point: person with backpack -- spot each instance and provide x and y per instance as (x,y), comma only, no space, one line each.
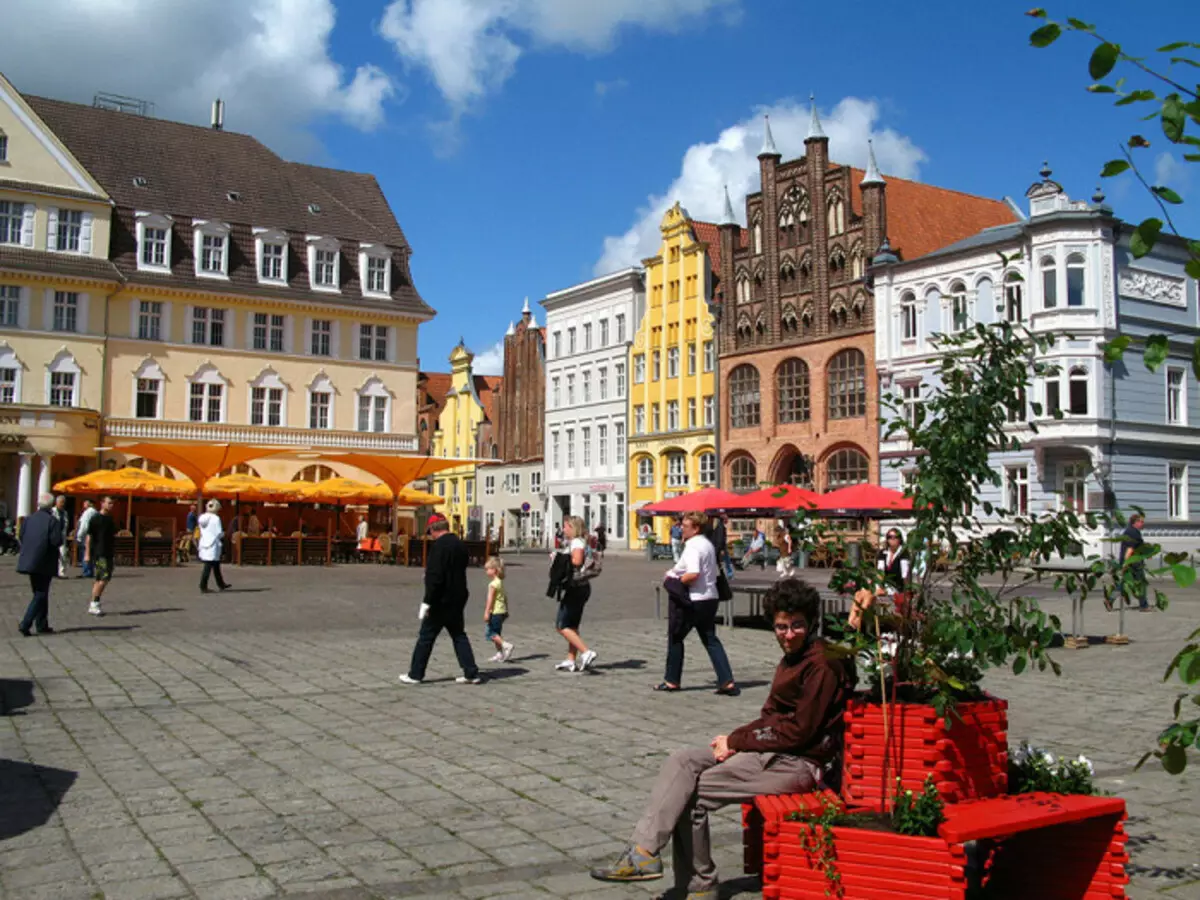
(571,572)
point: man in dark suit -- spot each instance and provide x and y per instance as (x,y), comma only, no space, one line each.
(445,600)
(40,540)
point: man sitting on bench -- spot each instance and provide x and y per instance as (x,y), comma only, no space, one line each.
(783,751)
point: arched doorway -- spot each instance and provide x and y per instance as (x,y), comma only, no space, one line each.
(793,467)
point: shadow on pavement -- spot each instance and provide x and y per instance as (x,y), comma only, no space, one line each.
(500,674)
(147,612)
(85,628)
(621,664)
(31,795)
(234,590)
(15,695)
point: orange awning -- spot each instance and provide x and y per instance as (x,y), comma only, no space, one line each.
(397,471)
(413,497)
(253,488)
(128,482)
(199,462)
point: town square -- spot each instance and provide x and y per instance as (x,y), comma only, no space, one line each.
(329,326)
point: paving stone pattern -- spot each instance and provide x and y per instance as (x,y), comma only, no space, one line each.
(256,743)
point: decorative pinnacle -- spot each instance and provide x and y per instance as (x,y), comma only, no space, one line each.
(872,175)
(815,132)
(1045,171)
(768,147)
(727,217)
(512,329)
(1098,197)
(525,308)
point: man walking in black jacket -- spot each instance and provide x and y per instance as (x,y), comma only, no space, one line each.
(40,541)
(446,597)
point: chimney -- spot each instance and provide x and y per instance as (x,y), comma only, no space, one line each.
(218,115)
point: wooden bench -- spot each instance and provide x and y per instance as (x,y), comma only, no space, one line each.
(1027,845)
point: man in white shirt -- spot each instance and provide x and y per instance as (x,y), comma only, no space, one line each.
(692,588)
(81,531)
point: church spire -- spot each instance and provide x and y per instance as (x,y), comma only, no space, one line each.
(768,147)
(727,217)
(815,132)
(872,175)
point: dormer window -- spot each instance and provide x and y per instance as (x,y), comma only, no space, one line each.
(271,248)
(212,249)
(324,263)
(70,231)
(375,269)
(154,242)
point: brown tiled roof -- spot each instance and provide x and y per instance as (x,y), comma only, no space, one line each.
(189,173)
(710,235)
(34,187)
(22,260)
(922,218)
(488,389)
(435,385)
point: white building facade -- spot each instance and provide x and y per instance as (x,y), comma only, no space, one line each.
(589,328)
(1127,437)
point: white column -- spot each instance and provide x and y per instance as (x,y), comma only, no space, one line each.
(44,476)
(24,486)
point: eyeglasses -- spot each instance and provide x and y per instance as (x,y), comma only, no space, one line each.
(893,537)
(793,627)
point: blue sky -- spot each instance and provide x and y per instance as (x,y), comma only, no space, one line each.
(526,145)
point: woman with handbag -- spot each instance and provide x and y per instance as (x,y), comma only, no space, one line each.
(571,571)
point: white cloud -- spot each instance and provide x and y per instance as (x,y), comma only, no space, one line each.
(471,47)
(732,159)
(268,59)
(608,87)
(1169,172)
(490,361)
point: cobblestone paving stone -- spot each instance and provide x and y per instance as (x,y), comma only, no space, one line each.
(256,743)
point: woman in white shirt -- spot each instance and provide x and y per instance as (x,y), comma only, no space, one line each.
(692,586)
(573,598)
(212,534)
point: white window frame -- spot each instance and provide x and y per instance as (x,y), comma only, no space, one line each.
(202,228)
(639,419)
(602,444)
(267,381)
(672,415)
(1177,507)
(691,413)
(535,482)
(144,220)
(554,451)
(332,334)
(620,328)
(619,442)
(274,237)
(645,472)
(489,486)
(585,442)
(1076,261)
(270,327)
(709,357)
(570,389)
(15,211)
(602,381)
(555,392)
(639,368)
(373,387)
(55,216)
(909,329)
(1180,416)
(9,360)
(226,326)
(12,297)
(672,362)
(1071,474)
(81,309)
(710,415)
(378,253)
(374,336)
(677,470)
(320,385)
(587,336)
(207,374)
(3,147)
(1016,477)
(570,439)
(149,370)
(603,333)
(706,465)
(327,244)
(164,319)
(619,369)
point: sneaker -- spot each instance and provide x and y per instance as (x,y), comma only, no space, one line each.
(463,679)
(499,657)
(631,865)
(408,679)
(567,665)
(95,609)
(506,652)
(586,660)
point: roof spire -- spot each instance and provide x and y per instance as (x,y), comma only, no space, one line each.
(768,147)
(872,176)
(512,329)
(815,132)
(727,217)
(525,308)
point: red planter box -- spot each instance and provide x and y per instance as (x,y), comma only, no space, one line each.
(967,760)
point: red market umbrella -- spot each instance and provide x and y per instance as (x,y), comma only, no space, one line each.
(697,501)
(782,499)
(864,501)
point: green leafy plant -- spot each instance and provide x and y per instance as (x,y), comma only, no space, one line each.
(816,838)
(1034,769)
(918,814)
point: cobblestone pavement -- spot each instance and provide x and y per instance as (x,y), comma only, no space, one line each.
(256,743)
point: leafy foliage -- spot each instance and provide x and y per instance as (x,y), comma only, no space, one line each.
(1033,769)
(918,814)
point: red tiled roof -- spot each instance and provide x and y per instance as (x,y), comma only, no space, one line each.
(488,389)
(709,234)
(435,384)
(922,218)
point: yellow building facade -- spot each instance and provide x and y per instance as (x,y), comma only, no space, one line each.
(468,403)
(204,292)
(671,364)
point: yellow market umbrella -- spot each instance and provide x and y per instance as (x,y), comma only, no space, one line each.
(129,482)
(344,492)
(413,497)
(253,489)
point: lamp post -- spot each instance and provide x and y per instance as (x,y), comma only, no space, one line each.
(715,310)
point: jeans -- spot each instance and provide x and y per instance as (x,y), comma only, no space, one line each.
(89,571)
(676,548)
(435,620)
(702,616)
(213,566)
(38,611)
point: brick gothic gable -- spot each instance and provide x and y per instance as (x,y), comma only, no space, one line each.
(794,298)
(520,404)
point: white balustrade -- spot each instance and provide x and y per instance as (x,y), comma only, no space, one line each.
(205,432)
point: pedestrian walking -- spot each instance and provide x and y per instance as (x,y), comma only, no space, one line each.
(40,540)
(783,543)
(85,519)
(1130,558)
(64,528)
(571,571)
(601,538)
(446,596)
(720,542)
(693,600)
(99,549)
(895,568)
(676,539)
(496,612)
(212,539)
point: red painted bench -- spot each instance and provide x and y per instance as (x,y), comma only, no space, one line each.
(1047,846)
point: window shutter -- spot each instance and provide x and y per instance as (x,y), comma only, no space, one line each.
(187,324)
(134,315)
(165,328)
(48,309)
(52,231)
(391,343)
(308,339)
(81,318)
(335,339)
(27,225)
(85,235)
(289,334)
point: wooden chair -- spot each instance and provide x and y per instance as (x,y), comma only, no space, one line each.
(385,548)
